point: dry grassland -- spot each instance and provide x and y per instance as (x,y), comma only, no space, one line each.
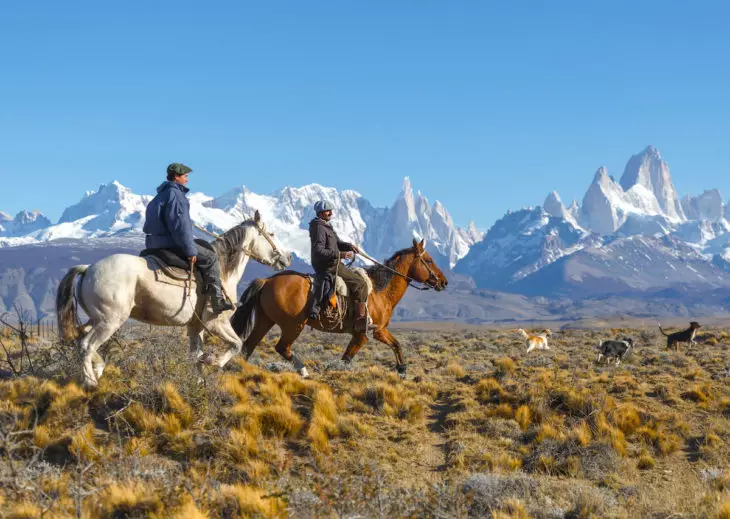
(479,429)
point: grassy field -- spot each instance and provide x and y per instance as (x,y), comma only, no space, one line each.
(479,428)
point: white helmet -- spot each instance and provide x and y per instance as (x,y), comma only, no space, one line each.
(322,205)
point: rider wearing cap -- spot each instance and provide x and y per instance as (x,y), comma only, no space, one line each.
(168,226)
(327,250)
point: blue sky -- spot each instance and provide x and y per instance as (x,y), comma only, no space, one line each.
(487,106)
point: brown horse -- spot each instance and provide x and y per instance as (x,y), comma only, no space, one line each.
(283,299)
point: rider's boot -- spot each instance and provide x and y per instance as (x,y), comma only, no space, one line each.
(361,317)
(314,310)
(218,302)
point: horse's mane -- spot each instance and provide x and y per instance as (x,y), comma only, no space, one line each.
(227,246)
(382,276)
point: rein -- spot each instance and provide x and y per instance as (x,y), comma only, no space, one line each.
(277,253)
(409,279)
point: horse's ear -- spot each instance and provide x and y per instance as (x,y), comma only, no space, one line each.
(415,244)
(257,216)
(421,245)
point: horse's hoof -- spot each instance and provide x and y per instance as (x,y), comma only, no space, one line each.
(304,373)
(207,358)
(401,371)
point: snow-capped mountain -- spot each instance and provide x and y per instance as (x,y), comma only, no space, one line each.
(707,206)
(520,244)
(644,196)
(618,230)
(647,170)
(24,223)
(412,216)
(114,210)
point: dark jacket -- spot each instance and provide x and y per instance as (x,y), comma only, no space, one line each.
(167,222)
(326,246)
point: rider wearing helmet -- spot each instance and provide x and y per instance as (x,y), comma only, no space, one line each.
(327,250)
(168,226)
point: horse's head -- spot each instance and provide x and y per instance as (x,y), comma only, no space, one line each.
(261,246)
(424,270)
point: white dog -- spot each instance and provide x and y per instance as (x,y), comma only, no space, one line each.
(538,341)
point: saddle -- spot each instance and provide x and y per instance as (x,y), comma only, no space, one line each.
(168,261)
(170,267)
(333,301)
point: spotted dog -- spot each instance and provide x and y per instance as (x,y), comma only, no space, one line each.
(617,349)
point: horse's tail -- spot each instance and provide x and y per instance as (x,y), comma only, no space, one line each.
(242,319)
(660,329)
(69,325)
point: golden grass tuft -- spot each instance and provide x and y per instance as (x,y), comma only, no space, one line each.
(187,510)
(511,509)
(723,510)
(505,366)
(698,393)
(176,404)
(581,433)
(25,510)
(547,431)
(502,411)
(393,401)
(645,462)
(613,436)
(247,501)
(279,420)
(126,500)
(141,419)
(627,418)
(241,445)
(724,406)
(83,445)
(455,369)
(489,390)
(523,416)
(503,462)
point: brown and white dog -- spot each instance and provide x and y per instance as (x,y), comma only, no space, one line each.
(538,341)
(687,335)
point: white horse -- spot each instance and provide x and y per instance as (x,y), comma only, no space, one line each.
(122,286)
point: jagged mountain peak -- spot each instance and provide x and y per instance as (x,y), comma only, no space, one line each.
(600,174)
(648,170)
(553,205)
(25,222)
(5,217)
(706,206)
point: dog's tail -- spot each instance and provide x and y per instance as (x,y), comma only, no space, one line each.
(660,329)
(523,333)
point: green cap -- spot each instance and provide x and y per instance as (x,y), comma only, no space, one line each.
(178,169)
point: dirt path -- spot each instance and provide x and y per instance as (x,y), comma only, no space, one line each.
(434,447)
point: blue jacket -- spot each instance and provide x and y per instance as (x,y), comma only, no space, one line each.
(167,221)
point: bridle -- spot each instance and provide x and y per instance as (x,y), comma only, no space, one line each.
(410,280)
(249,250)
(267,236)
